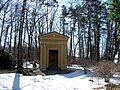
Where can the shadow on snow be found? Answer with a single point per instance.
(76, 73)
(16, 82)
(67, 73)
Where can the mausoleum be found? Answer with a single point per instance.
(53, 51)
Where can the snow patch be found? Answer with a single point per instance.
(73, 81)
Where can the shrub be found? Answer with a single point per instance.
(105, 69)
(6, 60)
(112, 87)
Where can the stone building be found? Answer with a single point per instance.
(53, 51)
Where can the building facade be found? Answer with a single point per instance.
(53, 51)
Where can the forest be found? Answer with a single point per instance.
(93, 28)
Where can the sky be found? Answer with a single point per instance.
(66, 2)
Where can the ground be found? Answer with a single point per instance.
(76, 80)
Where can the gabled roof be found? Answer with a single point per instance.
(54, 35)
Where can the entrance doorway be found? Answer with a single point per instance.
(53, 59)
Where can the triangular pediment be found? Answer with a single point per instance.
(53, 35)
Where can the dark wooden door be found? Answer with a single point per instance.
(53, 59)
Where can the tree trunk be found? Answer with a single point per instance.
(82, 46)
(115, 41)
(11, 34)
(19, 67)
(70, 51)
(107, 78)
(79, 39)
(16, 32)
(6, 33)
(52, 20)
(97, 39)
(15, 39)
(89, 34)
(108, 41)
(119, 55)
(3, 21)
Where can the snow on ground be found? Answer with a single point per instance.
(73, 81)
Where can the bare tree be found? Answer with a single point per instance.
(3, 5)
(6, 33)
(105, 69)
(16, 26)
(3, 22)
(52, 19)
(19, 67)
(11, 24)
(89, 32)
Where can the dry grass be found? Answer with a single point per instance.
(112, 87)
